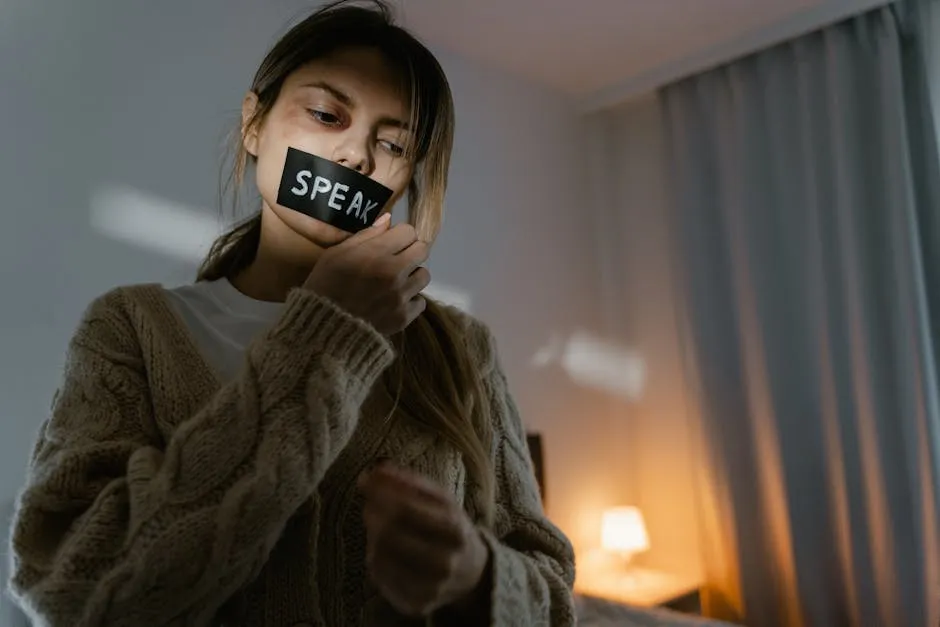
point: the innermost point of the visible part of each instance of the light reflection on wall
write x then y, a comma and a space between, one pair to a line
153, 223
595, 363
185, 233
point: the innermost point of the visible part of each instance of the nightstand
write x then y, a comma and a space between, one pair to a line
641, 588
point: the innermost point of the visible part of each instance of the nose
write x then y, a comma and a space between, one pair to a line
353, 151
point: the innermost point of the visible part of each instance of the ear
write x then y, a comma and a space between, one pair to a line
250, 135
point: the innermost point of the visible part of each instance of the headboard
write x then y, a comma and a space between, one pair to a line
534, 441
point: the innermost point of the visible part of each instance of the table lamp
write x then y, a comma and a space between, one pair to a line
623, 533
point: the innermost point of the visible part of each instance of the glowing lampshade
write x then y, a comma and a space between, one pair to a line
623, 531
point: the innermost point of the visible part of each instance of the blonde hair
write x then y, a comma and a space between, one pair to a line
434, 379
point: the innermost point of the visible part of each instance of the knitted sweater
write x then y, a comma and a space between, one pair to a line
158, 496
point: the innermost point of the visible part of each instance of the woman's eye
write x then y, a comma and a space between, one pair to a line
392, 148
324, 118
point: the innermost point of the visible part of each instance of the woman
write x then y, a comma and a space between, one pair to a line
300, 438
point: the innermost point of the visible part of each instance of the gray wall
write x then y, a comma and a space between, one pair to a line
639, 286
138, 95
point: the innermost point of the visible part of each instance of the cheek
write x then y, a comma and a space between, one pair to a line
395, 179
272, 154
268, 175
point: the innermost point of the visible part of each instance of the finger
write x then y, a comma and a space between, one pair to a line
394, 240
380, 510
408, 572
410, 595
416, 556
400, 580
390, 507
439, 526
414, 255
415, 308
388, 501
388, 477
378, 227
381, 505
416, 283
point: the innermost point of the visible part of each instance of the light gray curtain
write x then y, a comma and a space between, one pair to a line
806, 213
930, 34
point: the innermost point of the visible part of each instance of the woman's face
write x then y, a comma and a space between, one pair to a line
346, 107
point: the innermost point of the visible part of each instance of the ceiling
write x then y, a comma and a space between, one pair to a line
605, 51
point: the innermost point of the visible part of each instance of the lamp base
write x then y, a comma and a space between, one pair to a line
626, 575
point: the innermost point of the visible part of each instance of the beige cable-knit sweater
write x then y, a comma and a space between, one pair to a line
157, 496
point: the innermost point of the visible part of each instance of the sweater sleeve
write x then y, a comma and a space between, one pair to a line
116, 527
531, 572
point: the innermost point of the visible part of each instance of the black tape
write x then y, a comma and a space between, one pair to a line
330, 192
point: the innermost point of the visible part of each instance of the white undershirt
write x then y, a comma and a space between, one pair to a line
222, 321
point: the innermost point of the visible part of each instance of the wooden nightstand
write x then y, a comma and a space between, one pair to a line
641, 588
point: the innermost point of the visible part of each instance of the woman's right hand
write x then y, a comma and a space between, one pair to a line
376, 275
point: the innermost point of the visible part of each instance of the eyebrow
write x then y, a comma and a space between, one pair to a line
347, 100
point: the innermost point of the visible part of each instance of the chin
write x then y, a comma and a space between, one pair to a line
318, 233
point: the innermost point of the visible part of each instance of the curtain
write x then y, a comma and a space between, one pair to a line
805, 215
930, 35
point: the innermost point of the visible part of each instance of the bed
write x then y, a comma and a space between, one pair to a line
595, 612
598, 613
